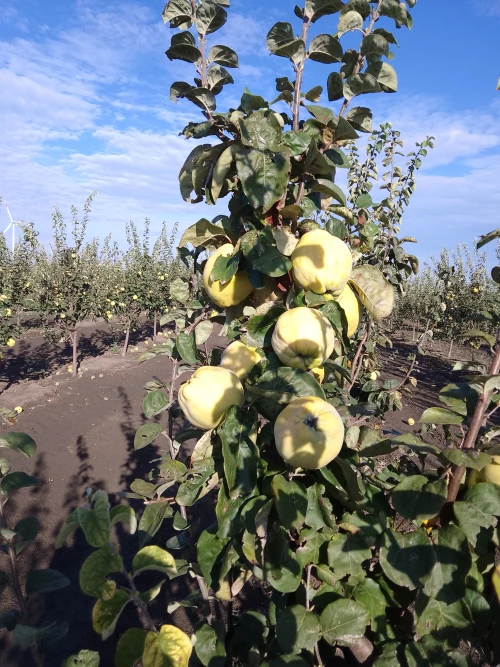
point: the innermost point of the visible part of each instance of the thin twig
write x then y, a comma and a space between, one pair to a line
354, 368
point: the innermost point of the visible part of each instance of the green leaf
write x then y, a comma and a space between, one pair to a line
223, 55
297, 142
406, 559
106, 613
486, 238
360, 84
151, 520
349, 21
19, 442
460, 397
361, 119
261, 130
178, 12
369, 594
154, 558
130, 647
291, 502
346, 553
221, 170
239, 448
203, 331
374, 45
283, 384
314, 515
281, 41
446, 581
124, 514
309, 552
440, 416
145, 434
96, 568
143, 488
45, 581
471, 519
467, 458
375, 293
325, 49
209, 647
296, 629
440, 619
14, 481
198, 235
70, 525
264, 176
203, 98
417, 499
182, 48
95, 522
477, 611
209, 547
209, 17
315, 9
485, 498
344, 622
83, 659
154, 403
329, 188
335, 86
385, 74
186, 346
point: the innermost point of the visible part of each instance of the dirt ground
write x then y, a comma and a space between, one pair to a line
84, 429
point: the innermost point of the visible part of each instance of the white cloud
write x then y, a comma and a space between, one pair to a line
487, 7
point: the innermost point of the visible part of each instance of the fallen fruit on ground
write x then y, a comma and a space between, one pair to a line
303, 338
228, 294
321, 263
309, 433
208, 394
240, 358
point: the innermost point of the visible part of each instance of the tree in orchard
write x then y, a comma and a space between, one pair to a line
357, 558
69, 284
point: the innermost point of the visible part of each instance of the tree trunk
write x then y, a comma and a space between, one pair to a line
125, 344
155, 322
414, 331
74, 341
450, 348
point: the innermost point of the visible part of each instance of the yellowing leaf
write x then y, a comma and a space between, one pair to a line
154, 558
375, 293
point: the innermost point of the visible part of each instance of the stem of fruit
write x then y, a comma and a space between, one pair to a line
299, 70
476, 423
359, 64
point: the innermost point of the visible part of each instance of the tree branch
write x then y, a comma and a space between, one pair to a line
299, 70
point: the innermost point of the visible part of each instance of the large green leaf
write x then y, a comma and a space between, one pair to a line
145, 434
239, 448
154, 558
296, 629
14, 481
281, 41
315, 9
361, 119
199, 234
263, 175
178, 12
370, 595
152, 518
283, 384
95, 522
186, 346
106, 613
472, 518
83, 659
209, 647
154, 403
45, 581
261, 130
223, 55
446, 581
406, 558
375, 293
325, 49
346, 553
179, 288
344, 622
260, 327
19, 442
210, 16
386, 76
209, 548
291, 502
221, 170
440, 416
96, 568
360, 84
418, 499
441, 619
130, 647
351, 20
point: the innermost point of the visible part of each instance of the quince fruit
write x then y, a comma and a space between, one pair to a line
321, 263
309, 433
228, 294
303, 338
240, 358
208, 394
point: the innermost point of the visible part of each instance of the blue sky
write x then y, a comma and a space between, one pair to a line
84, 106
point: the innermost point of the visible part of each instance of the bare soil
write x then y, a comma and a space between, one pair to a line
84, 428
